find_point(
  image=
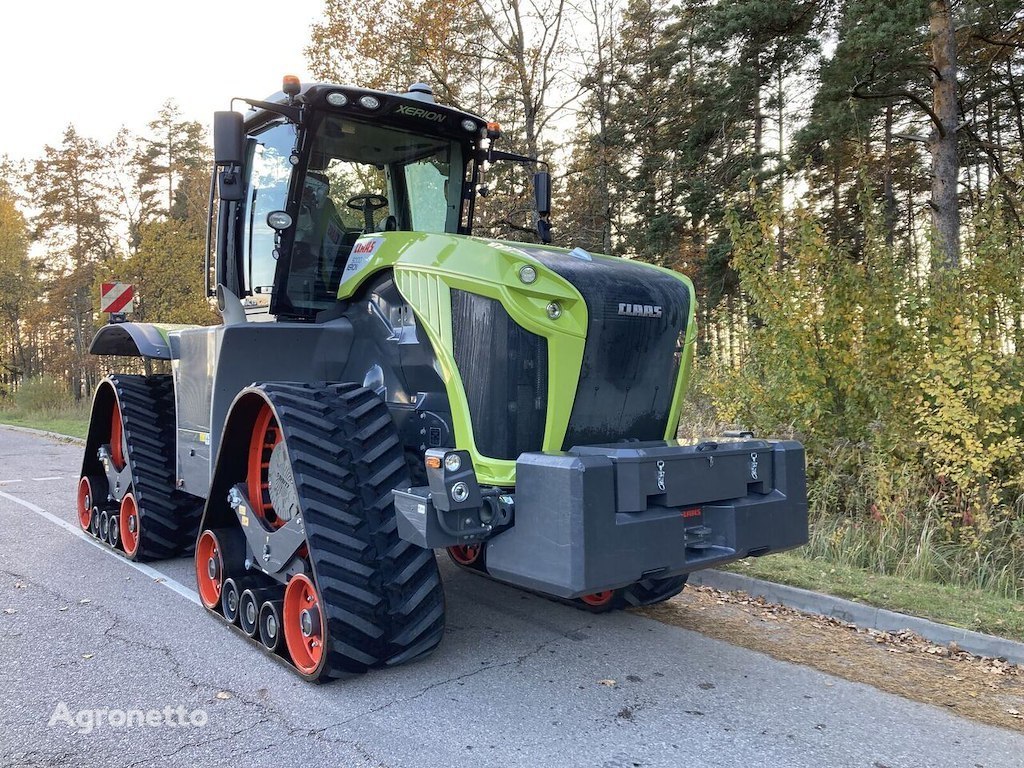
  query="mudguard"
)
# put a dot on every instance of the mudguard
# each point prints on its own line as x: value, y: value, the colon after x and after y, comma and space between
x: 150, y: 340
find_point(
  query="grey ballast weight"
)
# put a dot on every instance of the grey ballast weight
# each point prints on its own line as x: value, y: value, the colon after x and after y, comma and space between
x: 602, y: 517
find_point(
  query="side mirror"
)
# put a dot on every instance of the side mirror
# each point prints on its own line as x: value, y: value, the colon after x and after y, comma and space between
x: 228, y: 147
x: 227, y: 138
x: 542, y: 204
x: 542, y: 193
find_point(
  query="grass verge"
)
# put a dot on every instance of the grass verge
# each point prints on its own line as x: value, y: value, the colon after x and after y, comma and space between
x: 71, y: 421
x: 956, y: 606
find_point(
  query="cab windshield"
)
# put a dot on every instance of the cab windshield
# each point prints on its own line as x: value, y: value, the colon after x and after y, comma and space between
x: 363, y: 179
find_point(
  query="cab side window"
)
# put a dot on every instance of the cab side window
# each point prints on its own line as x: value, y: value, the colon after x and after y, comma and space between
x: 268, y: 191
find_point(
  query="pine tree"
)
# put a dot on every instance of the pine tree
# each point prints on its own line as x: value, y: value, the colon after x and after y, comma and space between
x: 75, y: 220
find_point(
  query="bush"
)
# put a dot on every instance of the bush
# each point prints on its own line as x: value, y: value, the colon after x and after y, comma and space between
x: 906, y: 394
x: 40, y: 395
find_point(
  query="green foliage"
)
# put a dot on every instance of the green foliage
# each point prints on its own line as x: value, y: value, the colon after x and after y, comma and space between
x: 829, y: 348
x: 17, y: 277
x: 168, y: 272
x: 910, y: 406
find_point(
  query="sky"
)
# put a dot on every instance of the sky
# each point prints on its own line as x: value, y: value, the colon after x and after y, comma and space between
x: 101, y: 64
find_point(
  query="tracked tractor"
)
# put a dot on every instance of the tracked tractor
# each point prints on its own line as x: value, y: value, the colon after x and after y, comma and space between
x: 385, y: 384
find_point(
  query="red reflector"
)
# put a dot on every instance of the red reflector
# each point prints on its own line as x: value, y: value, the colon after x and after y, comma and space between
x: 691, y: 512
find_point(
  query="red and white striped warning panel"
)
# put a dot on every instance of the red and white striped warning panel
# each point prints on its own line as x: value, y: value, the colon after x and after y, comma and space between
x: 117, y: 297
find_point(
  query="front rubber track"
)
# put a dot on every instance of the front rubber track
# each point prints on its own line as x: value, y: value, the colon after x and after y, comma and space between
x: 382, y: 596
x: 168, y: 518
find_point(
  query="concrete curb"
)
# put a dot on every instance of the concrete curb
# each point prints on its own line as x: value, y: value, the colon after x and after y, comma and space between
x: 865, y: 616
x: 43, y: 433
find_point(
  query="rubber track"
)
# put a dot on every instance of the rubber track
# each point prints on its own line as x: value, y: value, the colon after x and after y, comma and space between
x: 653, y: 591
x: 382, y: 596
x: 168, y: 518
x: 637, y: 594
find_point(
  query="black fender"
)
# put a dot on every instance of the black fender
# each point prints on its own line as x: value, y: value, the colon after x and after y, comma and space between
x: 136, y: 340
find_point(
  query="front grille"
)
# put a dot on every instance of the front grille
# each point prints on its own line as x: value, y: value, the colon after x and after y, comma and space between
x: 504, y: 371
x: 630, y: 361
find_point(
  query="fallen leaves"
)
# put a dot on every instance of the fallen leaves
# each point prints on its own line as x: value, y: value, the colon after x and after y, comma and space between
x: 898, y: 662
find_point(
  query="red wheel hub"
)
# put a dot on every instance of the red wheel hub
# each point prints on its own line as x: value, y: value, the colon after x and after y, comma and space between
x: 303, y: 624
x: 85, y: 503
x: 266, y: 434
x: 465, y: 554
x: 599, y: 599
x: 209, y: 569
x: 129, y: 525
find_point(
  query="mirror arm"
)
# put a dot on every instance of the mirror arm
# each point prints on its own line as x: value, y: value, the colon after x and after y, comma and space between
x: 293, y: 114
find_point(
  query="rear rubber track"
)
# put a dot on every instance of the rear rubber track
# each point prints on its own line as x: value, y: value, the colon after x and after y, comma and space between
x: 169, y: 519
x: 638, y: 594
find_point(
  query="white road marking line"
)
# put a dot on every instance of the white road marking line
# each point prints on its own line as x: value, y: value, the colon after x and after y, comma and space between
x: 10, y: 482
x: 74, y: 530
x: 38, y: 479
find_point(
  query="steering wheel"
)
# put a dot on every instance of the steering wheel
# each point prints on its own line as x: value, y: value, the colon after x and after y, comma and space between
x: 367, y: 204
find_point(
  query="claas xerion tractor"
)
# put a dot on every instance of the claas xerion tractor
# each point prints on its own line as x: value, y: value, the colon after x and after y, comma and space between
x: 384, y: 384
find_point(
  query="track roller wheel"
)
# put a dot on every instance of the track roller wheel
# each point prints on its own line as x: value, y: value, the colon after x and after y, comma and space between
x: 249, y: 607
x: 303, y: 624
x: 468, y: 556
x: 230, y: 597
x: 87, y: 488
x: 129, y: 525
x: 209, y: 569
x: 270, y: 624
x: 220, y: 553
x: 601, y: 602
x: 104, y: 524
x: 94, y: 522
x: 114, y: 530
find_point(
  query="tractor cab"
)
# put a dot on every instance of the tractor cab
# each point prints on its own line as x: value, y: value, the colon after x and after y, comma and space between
x: 314, y: 168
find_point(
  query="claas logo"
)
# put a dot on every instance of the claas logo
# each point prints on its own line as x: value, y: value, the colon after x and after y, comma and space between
x: 640, y: 310
x: 365, y: 246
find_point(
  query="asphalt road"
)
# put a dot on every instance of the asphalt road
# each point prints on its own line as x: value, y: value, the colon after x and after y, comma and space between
x: 516, y: 682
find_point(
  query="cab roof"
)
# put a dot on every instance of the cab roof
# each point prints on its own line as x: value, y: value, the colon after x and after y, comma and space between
x: 414, y: 110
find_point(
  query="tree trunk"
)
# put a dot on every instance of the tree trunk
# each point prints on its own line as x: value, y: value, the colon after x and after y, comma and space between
x: 888, y: 196
x: 945, y: 164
